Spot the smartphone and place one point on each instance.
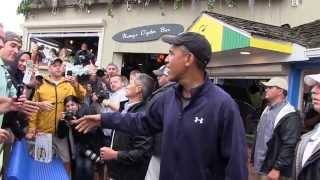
(68, 70)
(20, 89)
(69, 73)
(28, 73)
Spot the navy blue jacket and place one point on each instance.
(205, 140)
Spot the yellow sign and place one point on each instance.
(211, 29)
(284, 47)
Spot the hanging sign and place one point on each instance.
(147, 33)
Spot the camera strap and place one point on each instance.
(112, 138)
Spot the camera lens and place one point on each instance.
(93, 156)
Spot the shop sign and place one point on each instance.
(147, 33)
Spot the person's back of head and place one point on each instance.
(147, 83)
(133, 74)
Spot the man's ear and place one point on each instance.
(189, 59)
(139, 89)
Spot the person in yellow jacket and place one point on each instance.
(55, 88)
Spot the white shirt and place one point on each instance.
(312, 144)
(117, 97)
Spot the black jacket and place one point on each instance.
(134, 152)
(82, 141)
(281, 146)
(311, 171)
(156, 147)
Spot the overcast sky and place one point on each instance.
(9, 17)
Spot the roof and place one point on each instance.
(307, 35)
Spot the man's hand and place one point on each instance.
(31, 134)
(73, 80)
(45, 106)
(5, 104)
(273, 175)
(92, 69)
(4, 135)
(22, 105)
(87, 123)
(29, 107)
(94, 97)
(107, 153)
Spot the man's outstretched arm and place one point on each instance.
(139, 123)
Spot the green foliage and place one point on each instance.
(109, 9)
(161, 5)
(177, 4)
(211, 4)
(24, 7)
(230, 3)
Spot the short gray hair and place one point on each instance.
(147, 82)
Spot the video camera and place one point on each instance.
(102, 94)
(83, 57)
(69, 115)
(65, 123)
(93, 156)
(91, 149)
(100, 72)
(81, 72)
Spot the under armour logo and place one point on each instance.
(198, 120)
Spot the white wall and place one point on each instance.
(280, 12)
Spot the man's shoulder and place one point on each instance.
(216, 93)
(162, 90)
(289, 110)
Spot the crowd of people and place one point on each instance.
(182, 126)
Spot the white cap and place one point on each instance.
(163, 70)
(312, 79)
(38, 73)
(278, 82)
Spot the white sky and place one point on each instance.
(8, 16)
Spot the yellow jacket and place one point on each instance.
(47, 121)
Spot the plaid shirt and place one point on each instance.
(6, 86)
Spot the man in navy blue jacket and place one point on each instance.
(203, 135)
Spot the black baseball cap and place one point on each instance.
(196, 43)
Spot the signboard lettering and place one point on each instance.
(147, 33)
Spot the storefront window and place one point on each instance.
(249, 95)
(63, 45)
